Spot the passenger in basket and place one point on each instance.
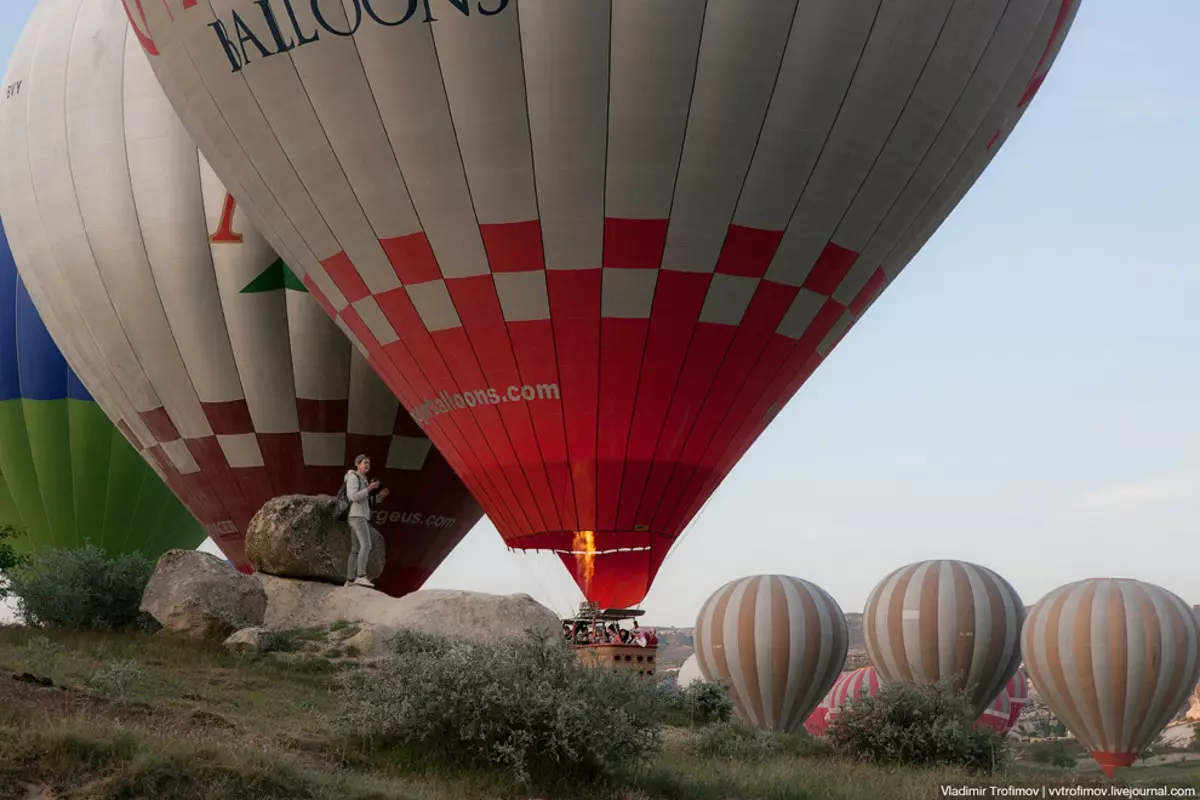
(363, 496)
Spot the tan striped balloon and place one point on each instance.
(945, 620)
(777, 642)
(1114, 659)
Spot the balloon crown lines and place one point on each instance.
(447, 402)
(274, 29)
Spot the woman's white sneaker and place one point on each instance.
(362, 581)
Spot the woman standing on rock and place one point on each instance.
(362, 496)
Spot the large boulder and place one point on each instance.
(296, 536)
(466, 615)
(199, 596)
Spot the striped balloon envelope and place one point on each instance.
(777, 642)
(1114, 659)
(68, 477)
(203, 346)
(596, 246)
(862, 682)
(997, 716)
(934, 621)
(1018, 696)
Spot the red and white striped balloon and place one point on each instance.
(998, 714)
(595, 246)
(1018, 696)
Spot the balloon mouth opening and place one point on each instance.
(1110, 762)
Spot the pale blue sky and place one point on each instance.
(1025, 396)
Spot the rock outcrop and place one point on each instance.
(296, 536)
(467, 615)
(199, 596)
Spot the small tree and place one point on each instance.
(913, 724)
(521, 704)
(81, 589)
(10, 559)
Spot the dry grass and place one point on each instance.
(200, 723)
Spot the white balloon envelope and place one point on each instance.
(190, 331)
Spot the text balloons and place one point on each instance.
(199, 340)
(68, 478)
(596, 246)
(777, 642)
(945, 620)
(1114, 659)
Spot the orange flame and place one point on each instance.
(584, 547)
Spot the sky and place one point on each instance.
(1025, 396)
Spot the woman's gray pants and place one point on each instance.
(360, 548)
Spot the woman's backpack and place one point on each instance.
(341, 504)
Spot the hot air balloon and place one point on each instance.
(68, 477)
(1114, 659)
(777, 642)
(202, 345)
(945, 620)
(1018, 696)
(689, 672)
(595, 247)
(997, 715)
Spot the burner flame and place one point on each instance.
(584, 548)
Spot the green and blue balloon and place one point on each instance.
(68, 477)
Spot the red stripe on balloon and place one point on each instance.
(283, 457)
(634, 243)
(345, 276)
(323, 416)
(395, 366)
(514, 246)
(440, 389)
(483, 320)
(160, 424)
(231, 418)
(575, 308)
(748, 251)
(832, 266)
(709, 345)
(677, 304)
(750, 391)
(412, 258)
(456, 349)
(622, 343)
(533, 344)
(767, 308)
(217, 475)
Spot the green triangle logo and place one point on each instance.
(276, 277)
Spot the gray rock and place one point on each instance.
(251, 639)
(466, 615)
(296, 536)
(197, 595)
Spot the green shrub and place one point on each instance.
(521, 704)
(912, 724)
(116, 679)
(81, 589)
(698, 704)
(39, 656)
